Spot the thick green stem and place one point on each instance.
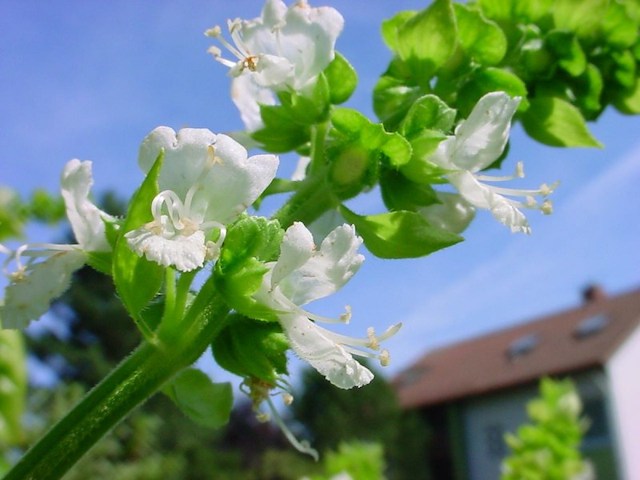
(137, 378)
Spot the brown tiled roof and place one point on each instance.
(565, 342)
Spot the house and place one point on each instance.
(472, 392)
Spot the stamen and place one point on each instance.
(385, 358)
(346, 316)
(373, 341)
(301, 446)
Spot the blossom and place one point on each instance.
(35, 283)
(302, 274)
(284, 48)
(478, 142)
(453, 213)
(206, 181)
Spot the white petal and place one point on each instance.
(234, 182)
(481, 196)
(247, 95)
(301, 169)
(311, 35)
(185, 158)
(273, 72)
(305, 37)
(327, 270)
(28, 298)
(453, 214)
(226, 181)
(296, 249)
(481, 138)
(185, 253)
(86, 219)
(328, 358)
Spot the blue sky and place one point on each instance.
(90, 80)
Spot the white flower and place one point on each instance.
(453, 213)
(35, 283)
(478, 142)
(303, 274)
(205, 182)
(285, 48)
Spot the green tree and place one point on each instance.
(372, 414)
(549, 447)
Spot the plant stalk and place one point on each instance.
(138, 377)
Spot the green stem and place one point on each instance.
(137, 378)
(313, 198)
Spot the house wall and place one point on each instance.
(624, 380)
(486, 419)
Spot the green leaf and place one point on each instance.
(428, 39)
(138, 280)
(625, 68)
(399, 234)
(584, 17)
(628, 101)
(281, 133)
(13, 379)
(392, 98)
(342, 79)
(481, 39)
(356, 148)
(418, 169)
(555, 122)
(620, 28)
(393, 25)
(396, 150)
(206, 403)
(487, 80)
(400, 193)
(427, 112)
(499, 10)
(251, 348)
(588, 89)
(532, 11)
(567, 49)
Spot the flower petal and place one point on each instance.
(185, 156)
(247, 96)
(296, 249)
(28, 297)
(328, 269)
(87, 220)
(453, 214)
(185, 253)
(481, 196)
(214, 168)
(327, 357)
(481, 138)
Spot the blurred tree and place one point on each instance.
(370, 414)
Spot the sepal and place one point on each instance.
(251, 348)
(207, 403)
(250, 242)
